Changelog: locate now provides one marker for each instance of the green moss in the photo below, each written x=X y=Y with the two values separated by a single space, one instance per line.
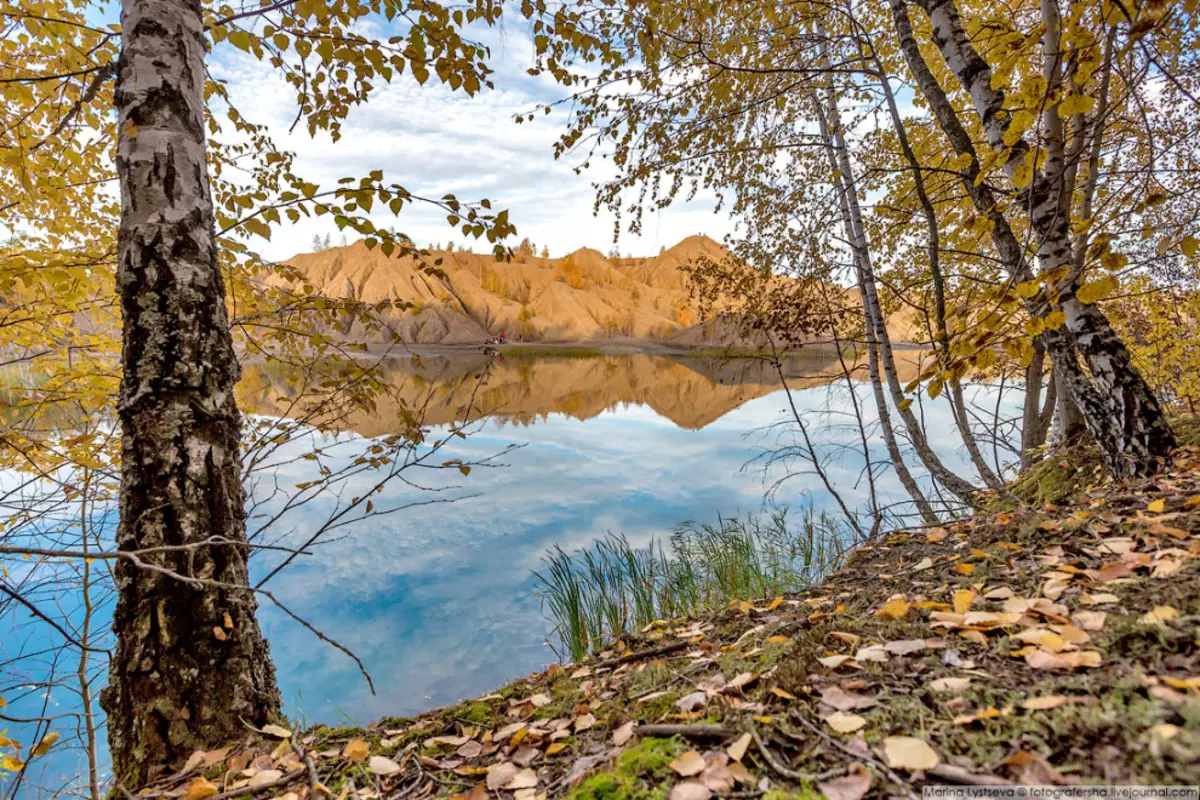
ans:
x=639 y=773
x=1060 y=476
x=475 y=713
x=806 y=793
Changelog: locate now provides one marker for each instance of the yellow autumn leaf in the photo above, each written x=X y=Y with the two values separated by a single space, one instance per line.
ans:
x=1054 y=320
x=1189 y=246
x=895 y=608
x=1094 y=291
x=357 y=750
x=44 y=745
x=1022 y=175
x=1027 y=289
x=200 y=788
x=11 y=763
x=962 y=600
x=1157 y=507
x=1076 y=104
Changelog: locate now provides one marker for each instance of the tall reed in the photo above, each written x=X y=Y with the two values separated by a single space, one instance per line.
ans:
x=599 y=593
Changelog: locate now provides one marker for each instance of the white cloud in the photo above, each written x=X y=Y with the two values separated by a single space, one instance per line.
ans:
x=434 y=141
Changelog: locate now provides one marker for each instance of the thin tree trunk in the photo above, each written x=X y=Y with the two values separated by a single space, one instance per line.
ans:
x=942 y=338
x=190 y=668
x=870 y=331
x=844 y=184
x=1119 y=408
x=1030 y=416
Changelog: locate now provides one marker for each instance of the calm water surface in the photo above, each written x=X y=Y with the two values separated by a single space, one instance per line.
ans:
x=438 y=600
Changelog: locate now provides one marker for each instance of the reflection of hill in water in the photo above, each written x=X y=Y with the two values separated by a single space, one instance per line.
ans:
x=691 y=392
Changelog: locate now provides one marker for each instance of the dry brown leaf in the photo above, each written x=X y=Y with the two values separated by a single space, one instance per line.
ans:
x=738 y=748
x=624 y=733
x=742 y=680
x=584 y=721
x=265 y=776
x=909 y=753
x=689 y=764
x=500 y=774
x=838 y=698
x=689 y=790
x=950 y=684
x=845 y=723
x=278 y=731
x=1045 y=703
x=471 y=749
x=524 y=779
x=381 y=765
x=849 y=787
x=905 y=646
x=692 y=701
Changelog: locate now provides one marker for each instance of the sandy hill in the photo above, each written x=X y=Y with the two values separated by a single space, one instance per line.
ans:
x=582 y=296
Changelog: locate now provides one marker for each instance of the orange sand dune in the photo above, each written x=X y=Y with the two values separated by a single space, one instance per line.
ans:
x=583 y=296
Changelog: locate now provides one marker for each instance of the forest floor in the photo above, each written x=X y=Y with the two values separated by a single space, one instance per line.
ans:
x=1055 y=644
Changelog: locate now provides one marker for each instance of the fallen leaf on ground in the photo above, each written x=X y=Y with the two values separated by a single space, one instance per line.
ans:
x=525 y=779
x=895 y=608
x=689 y=790
x=356 y=750
x=689 y=764
x=738 y=748
x=1160 y=615
x=905 y=646
x=1045 y=703
x=500 y=774
x=833 y=662
x=850 y=787
x=962 y=600
x=470 y=749
x=584 y=721
x=277 y=731
x=382 y=765
x=909 y=753
x=950 y=684
x=845 y=723
x=842 y=700
x=200 y=788
x=742 y=680
x=263 y=777
x=624 y=733
x=1157 y=507
x=692 y=701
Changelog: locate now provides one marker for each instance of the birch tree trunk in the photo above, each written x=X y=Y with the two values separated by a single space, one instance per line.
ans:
x=1119 y=408
x=190 y=666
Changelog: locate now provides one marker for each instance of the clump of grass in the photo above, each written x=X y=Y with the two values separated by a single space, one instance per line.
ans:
x=598 y=594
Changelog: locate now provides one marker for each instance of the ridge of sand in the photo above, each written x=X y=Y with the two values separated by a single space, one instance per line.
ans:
x=582 y=296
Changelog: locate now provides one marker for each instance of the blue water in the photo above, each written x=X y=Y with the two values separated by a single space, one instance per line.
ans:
x=438 y=600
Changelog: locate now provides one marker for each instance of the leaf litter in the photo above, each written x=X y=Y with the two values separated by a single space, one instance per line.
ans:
x=1067 y=652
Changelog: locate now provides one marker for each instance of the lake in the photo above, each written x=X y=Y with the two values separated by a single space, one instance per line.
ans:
x=438 y=599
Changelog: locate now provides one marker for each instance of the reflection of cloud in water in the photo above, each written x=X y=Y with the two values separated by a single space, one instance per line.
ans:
x=438 y=600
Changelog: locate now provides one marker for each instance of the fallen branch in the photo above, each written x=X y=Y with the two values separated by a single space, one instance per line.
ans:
x=698 y=731
x=644 y=654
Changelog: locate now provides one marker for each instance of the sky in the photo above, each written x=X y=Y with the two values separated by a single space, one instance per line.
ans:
x=433 y=140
